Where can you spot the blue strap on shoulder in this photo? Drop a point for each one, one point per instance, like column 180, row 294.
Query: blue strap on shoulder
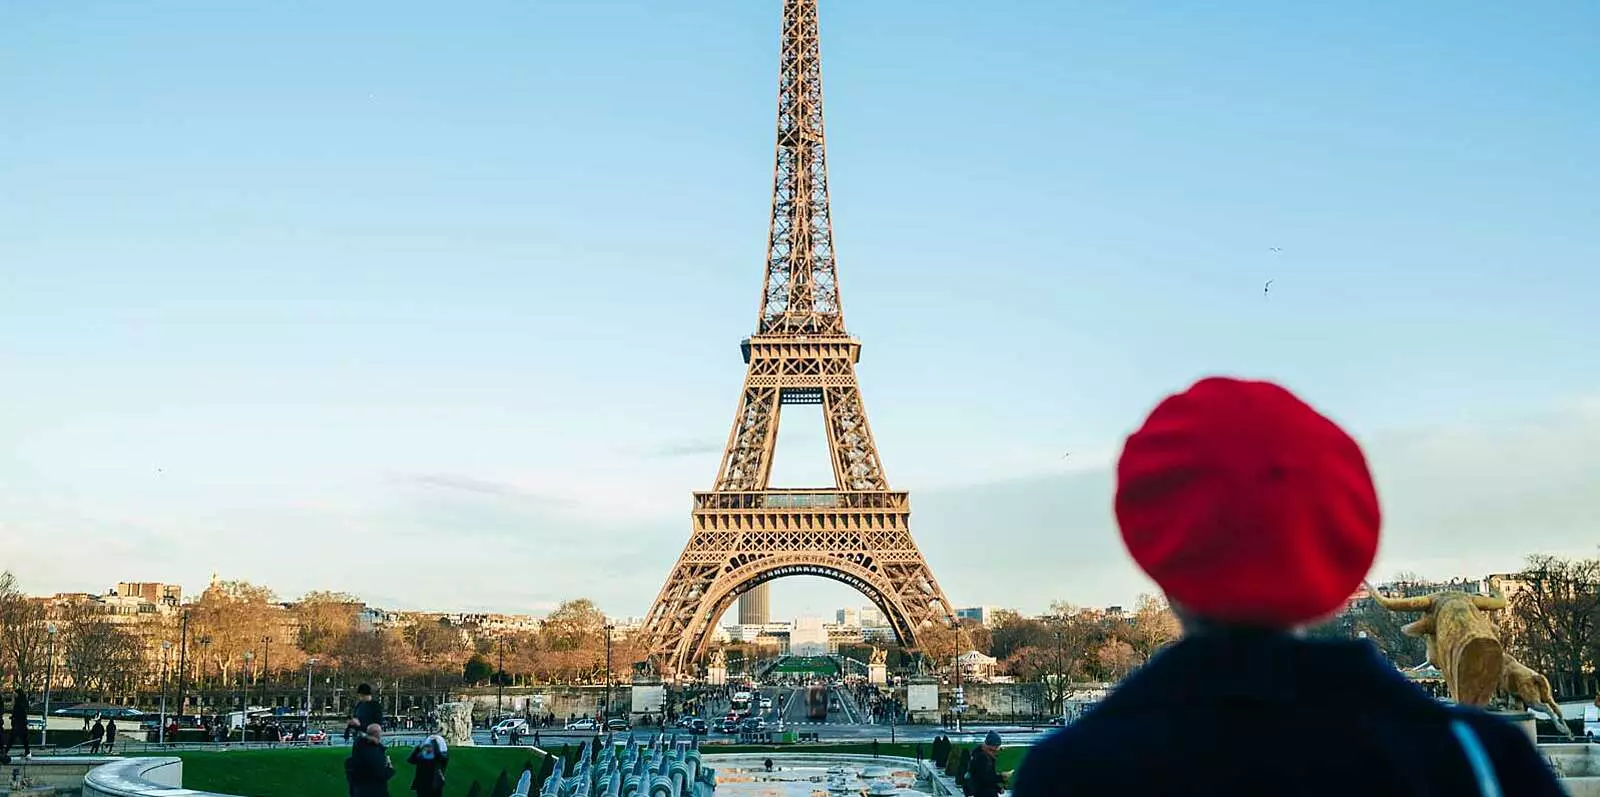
column 1477, row 758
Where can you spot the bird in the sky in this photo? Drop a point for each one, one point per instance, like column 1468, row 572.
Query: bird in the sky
column 1267, row 288
column 1068, row 454
column 1277, row 249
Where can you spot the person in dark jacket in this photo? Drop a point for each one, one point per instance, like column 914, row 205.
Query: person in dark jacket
column 368, row 768
column 430, row 758
column 19, row 725
column 1257, row 516
column 983, row 773
column 364, row 713
column 111, row 735
column 97, row 735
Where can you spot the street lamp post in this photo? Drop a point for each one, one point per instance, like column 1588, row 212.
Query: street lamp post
column 309, row 664
column 266, row 667
column 249, row 656
column 961, row 696
column 200, row 678
column 183, row 653
column 161, row 730
column 609, row 629
column 500, row 683
column 49, row 673
column 1060, row 690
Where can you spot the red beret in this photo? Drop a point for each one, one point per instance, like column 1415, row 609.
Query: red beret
column 1246, row 505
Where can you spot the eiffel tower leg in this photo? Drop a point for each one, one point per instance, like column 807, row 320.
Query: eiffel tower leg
column 855, row 455
column 747, row 460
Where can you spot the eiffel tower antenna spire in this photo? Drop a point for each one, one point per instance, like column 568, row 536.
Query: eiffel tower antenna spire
column 801, row 292
column 857, row 531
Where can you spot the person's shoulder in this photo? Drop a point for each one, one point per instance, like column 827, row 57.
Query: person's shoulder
column 1493, row 732
column 1080, row 743
column 1511, row 753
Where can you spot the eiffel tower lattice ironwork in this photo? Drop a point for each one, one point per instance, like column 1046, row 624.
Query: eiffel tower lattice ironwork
column 746, row 533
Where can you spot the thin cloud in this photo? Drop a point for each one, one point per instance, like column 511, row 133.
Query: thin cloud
column 468, row 484
column 687, row 448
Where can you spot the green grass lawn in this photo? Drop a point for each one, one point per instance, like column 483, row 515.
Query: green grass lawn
column 807, row 665
column 319, row 772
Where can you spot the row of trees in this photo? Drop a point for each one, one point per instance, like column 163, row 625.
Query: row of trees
column 236, row 633
column 237, row 636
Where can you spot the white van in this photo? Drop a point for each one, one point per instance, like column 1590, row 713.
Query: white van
column 1591, row 722
column 506, row 726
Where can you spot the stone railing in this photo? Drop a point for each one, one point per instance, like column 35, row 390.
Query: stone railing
column 136, row 777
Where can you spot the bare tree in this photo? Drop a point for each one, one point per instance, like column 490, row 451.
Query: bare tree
column 1154, row 627
column 325, row 618
column 99, row 655
column 230, row 619
column 1557, row 618
column 24, row 640
column 1117, row 658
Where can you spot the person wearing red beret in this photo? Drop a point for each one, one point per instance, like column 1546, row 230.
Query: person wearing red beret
column 1258, row 517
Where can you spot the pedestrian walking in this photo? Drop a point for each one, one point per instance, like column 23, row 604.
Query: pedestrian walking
column 111, row 736
column 19, row 725
column 97, row 736
column 1257, row 516
column 430, row 759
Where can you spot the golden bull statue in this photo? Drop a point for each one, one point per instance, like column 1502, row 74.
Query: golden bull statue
column 1461, row 639
column 1464, row 644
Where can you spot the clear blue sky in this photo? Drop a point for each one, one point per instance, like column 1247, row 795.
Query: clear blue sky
column 296, row 291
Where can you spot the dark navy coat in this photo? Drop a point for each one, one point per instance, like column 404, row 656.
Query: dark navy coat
column 1267, row 714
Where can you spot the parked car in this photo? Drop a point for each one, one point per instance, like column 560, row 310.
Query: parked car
column 617, row 724
column 506, row 726
column 583, row 724
column 1591, row 723
column 697, row 726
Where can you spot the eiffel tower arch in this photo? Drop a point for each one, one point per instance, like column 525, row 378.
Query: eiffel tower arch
column 746, row 533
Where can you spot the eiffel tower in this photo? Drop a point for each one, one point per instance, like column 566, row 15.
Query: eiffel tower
column 746, row 533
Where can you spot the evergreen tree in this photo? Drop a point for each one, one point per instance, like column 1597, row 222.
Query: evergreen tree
column 547, row 767
column 502, row 786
